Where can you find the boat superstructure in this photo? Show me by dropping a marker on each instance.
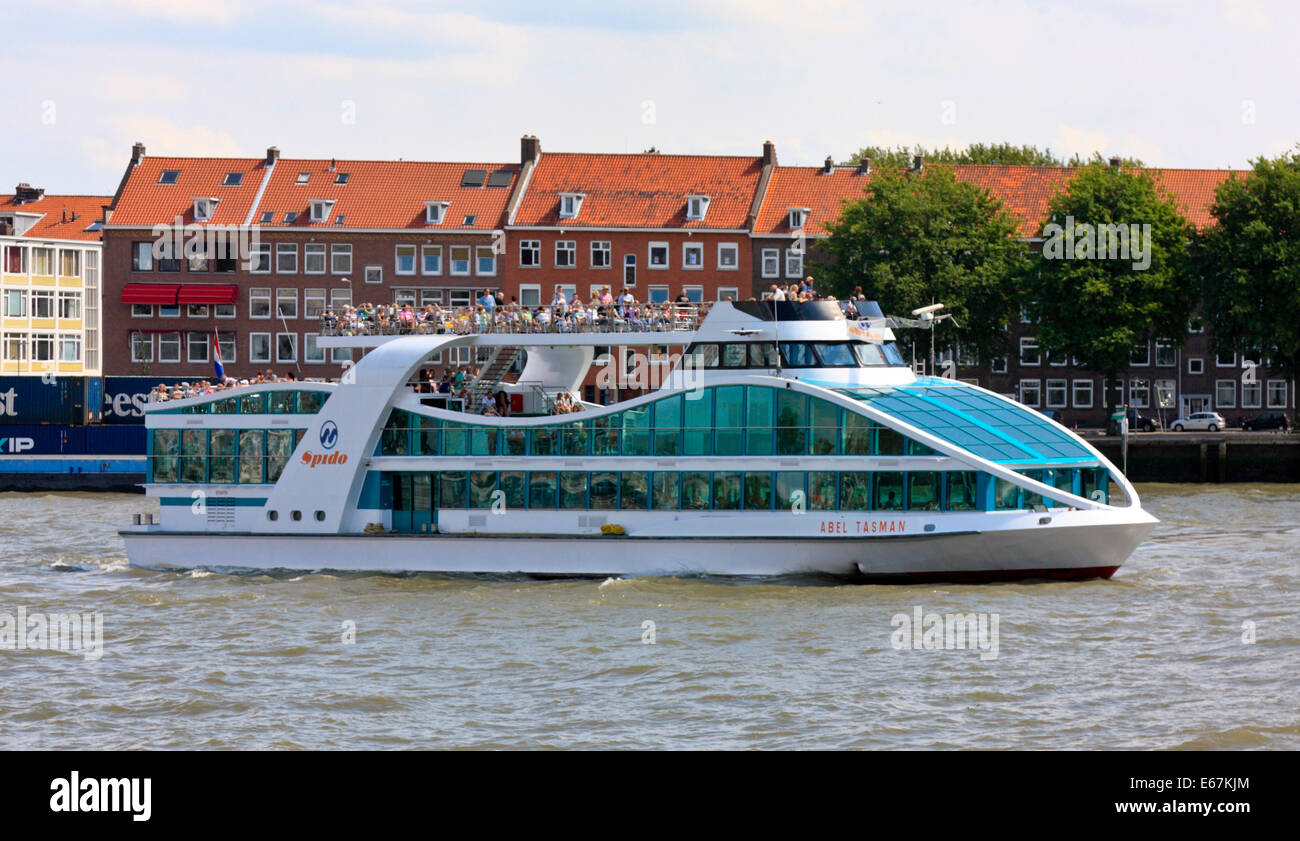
(787, 439)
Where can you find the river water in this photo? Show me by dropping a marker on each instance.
(1159, 657)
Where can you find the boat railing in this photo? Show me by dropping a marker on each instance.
(405, 320)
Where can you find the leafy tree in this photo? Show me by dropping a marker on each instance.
(1099, 304)
(901, 157)
(1250, 264)
(912, 241)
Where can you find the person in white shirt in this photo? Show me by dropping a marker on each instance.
(778, 294)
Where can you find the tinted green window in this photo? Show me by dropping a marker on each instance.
(790, 489)
(666, 496)
(222, 463)
(855, 491)
(758, 491)
(166, 448)
(541, 490)
(514, 483)
(402, 497)
(310, 401)
(889, 442)
(916, 448)
(573, 490)
(634, 491)
(695, 491)
(699, 422)
(668, 423)
(197, 409)
(728, 490)
(636, 431)
(791, 423)
(604, 439)
(253, 404)
(1029, 498)
(729, 412)
(1093, 484)
(484, 440)
(1006, 495)
(821, 491)
(279, 446)
(426, 435)
(229, 406)
(282, 402)
(194, 446)
(798, 355)
(604, 490)
(451, 489)
(1060, 478)
(855, 435)
(960, 491)
(923, 491)
(516, 442)
(252, 455)
(733, 356)
(421, 492)
(481, 485)
(889, 492)
(758, 414)
(573, 437)
(544, 441)
(826, 427)
(763, 355)
(395, 439)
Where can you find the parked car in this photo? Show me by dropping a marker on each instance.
(1051, 413)
(1136, 423)
(1267, 420)
(1206, 421)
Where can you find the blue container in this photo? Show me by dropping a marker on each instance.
(39, 440)
(124, 398)
(30, 400)
(118, 440)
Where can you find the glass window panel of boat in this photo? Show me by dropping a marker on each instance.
(253, 404)
(197, 409)
(229, 406)
(960, 490)
(1061, 478)
(573, 490)
(426, 435)
(298, 435)
(481, 485)
(222, 462)
(837, 355)
(826, 427)
(1030, 498)
(923, 491)
(790, 489)
(889, 492)
(279, 444)
(604, 490)
(668, 426)
(734, 355)
(282, 402)
(483, 440)
(892, 356)
(516, 442)
(421, 492)
(821, 491)
(758, 491)
(855, 491)
(309, 402)
(889, 442)
(166, 448)
(515, 485)
(699, 422)
(573, 438)
(763, 355)
(728, 489)
(194, 445)
(695, 491)
(252, 455)
(791, 423)
(759, 401)
(708, 356)
(855, 432)
(798, 355)
(451, 489)
(543, 441)
(636, 431)
(868, 354)
(916, 448)
(455, 439)
(541, 490)
(729, 420)
(394, 439)
(666, 491)
(604, 435)
(1006, 495)
(634, 491)
(402, 500)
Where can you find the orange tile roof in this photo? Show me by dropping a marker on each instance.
(53, 224)
(646, 190)
(807, 186)
(378, 194)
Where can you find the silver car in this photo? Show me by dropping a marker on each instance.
(1207, 421)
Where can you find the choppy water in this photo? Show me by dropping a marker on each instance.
(1151, 659)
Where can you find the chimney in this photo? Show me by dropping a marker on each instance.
(864, 166)
(529, 148)
(137, 152)
(918, 163)
(769, 153)
(25, 192)
(65, 213)
(1115, 163)
(272, 155)
(829, 166)
(333, 165)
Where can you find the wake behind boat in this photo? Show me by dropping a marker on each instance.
(788, 439)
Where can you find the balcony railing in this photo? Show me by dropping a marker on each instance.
(401, 321)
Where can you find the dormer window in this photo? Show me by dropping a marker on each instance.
(204, 208)
(233, 179)
(798, 216)
(320, 209)
(570, 204)
(696, 207)
(303, 178)
(435, 212)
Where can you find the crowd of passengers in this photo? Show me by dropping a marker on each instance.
(180, 391)
(455, 382)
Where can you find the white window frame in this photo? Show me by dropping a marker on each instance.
(285, 249)
(796, 218)
(1146, 357)
(169, 347)
(603, 247)
(427, 251)
(320, 209)
(687, 249)
(309, 339)
(286, 295)
(313, 299)
(1139, 392)
(697, 289)
(1030, 343)
(794, 262)
(204, 209)
(485, 253)
(142, 310)
(629, 262)
(318, 250)
(734, 250)
(658, 287)
(70, 297)
(697, 207)
(1269, 391)
(435, 212)
(1252, 395)
(62, 342)
(1078, 389)
(774, 255)
(1173, 355)
(1200, 365)
(377, 272)
(282, 360)
(469, 260)
(261, 294)
(135, 346)
(197, 341)
(224, 311)
(531, 287)
(142, 256)
(570, 205)
(229, 347)
(340, 251)
(733, 291)
(1231, 403)
(252, 349)
(1219, 363)
(569, 248)
(533, 247)
(261, 259)
(414, 254)
(667, 256)
(196, 310)
(998, 365)
(1061, 385)
(1036, 387)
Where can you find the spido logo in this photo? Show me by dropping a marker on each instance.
(329, 439)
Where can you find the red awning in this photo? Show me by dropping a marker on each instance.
(150, 293)
(208, 293)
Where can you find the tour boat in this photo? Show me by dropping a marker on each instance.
(788, 439)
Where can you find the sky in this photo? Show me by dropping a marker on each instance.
(1197, 84)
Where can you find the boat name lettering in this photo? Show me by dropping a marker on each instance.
(312, 459)
(862, 527)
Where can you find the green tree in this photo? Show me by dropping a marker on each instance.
(1089, 298)
(1003, 154)
(1250, 264)
(913, 241)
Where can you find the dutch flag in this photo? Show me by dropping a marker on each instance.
(216, 358)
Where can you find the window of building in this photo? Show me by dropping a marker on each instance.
(693, 255)
(570, 205)
(320, 209)
(771, 262)
(794, 262)
(530, 253)
(259, 258)
(998, 365)
(1165, 357)
(169, 176)
(286, 258)
(223, 310)
(69, 347)
(1226, 359)
(1225, 394)
(405, 259)
(15, 347)
(259, 347)
(1139, 393)
(600, 254)
(1252, 394)
(169, 312)
(694, 294)
(796, 217)
(1029, 354)
(141, 347)
(629, 270)
(1195, 365)
(658, 255)
(657, 294)
(233, 179)
(566, 254)
(141, 311)
(460, 259)
(1082, 394)
(43, 261)
(374, 274)
(169, 347)
(696, 207)
(259, 302)
(286, 347)
(1029, 392)
(203, 209)
(728, 293)
(286, 302)
(226, 343)
(303, 178)
(342, 178)
(196, 345)
(435, 212)
(1277, 394)
(485, 260)
(340, 258)
(1056, 394)
(313, 258)
(312, 354)
(728, 256)
(431, 260)
(313, 303)
(15, 303)
(42, 303)
(196, 310)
